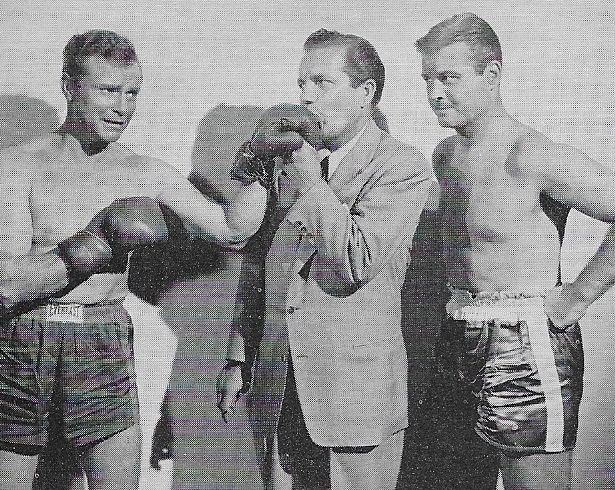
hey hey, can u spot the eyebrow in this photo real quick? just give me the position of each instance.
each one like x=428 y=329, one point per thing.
x=440 y=73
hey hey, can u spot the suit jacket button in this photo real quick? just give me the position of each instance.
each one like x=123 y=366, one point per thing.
x=290 y=310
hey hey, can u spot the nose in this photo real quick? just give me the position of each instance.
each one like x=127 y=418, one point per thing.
x=435 y=90
x=309 y=93
x=121 y=104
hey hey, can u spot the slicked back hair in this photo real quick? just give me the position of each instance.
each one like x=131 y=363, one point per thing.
x=468 y=28
x=362 y=60
x=107 y=44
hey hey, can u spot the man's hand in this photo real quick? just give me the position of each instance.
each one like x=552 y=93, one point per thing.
x=229 y=387
x=303 y=168
x=565 y=306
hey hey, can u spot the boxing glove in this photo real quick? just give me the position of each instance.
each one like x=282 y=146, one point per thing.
x=282 y=130
x=249 y=168
x=122 y=226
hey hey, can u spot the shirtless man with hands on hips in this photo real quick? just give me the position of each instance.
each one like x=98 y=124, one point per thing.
x=506 y=189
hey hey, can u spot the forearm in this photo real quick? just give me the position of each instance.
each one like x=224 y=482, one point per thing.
x=599 y=273
x=244 y=213
x=31 y=277
x=353 y=242
x=226 y=225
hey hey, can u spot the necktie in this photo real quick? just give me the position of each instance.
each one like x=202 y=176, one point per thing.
x=324 y=173
x=324 y=168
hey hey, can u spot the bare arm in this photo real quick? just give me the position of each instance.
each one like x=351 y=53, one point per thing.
x=231 y=224
x=571 y=177
x=567 y=304
x=23 y=276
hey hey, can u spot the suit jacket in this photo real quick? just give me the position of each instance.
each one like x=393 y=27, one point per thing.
x=335 y=263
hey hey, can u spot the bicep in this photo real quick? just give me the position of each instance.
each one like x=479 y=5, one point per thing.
x=195 y=210
x=198 y=213
x=574 y=179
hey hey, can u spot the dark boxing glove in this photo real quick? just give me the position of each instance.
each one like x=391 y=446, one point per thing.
x=249 y=168
x=281 y=130
x=119 y=228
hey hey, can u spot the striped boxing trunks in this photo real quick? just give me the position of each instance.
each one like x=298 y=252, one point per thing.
x=527 y=374
x=70 y=367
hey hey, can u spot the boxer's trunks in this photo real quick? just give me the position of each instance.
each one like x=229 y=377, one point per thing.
x=526 y=374
x=72 y=364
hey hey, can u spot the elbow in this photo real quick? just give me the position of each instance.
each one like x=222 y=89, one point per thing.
x=336 y=281
x=234 y=241
x=235 y=244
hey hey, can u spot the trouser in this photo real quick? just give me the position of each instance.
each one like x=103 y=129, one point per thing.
x=291 y=460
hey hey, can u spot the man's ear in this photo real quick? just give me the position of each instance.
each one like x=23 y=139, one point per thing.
x=68 y=86
x=368 y=88
x=493 y=73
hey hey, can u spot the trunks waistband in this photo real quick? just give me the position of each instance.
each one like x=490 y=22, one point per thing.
x=495 y=295
x=54 y=311
x=508 y=307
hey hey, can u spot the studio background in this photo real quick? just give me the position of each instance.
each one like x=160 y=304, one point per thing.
x=559 y=67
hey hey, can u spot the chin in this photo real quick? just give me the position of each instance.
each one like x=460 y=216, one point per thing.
x=109 y=137
x=445 y=124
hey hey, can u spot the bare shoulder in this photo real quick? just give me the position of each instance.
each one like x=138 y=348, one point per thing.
x=22 y=162
x=149 y=166
x=159 y=174
x=533 y=153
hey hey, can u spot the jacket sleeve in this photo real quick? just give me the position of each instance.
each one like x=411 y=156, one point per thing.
x=354 y=240
x=249 y=313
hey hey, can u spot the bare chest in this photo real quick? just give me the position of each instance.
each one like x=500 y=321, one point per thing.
x=486 y=199
x=65 y=198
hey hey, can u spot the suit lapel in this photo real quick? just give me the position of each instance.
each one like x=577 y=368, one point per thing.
x=357 y=158
x=351 y=165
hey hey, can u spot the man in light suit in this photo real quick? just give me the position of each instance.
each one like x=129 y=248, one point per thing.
x=328 y=403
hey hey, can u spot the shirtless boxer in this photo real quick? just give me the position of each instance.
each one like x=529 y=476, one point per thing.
x=71 y=358
x=506 y=190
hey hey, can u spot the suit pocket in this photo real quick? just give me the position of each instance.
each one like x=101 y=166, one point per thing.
x=378 y=348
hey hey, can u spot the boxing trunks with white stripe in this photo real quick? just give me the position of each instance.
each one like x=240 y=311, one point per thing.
x=527 y=374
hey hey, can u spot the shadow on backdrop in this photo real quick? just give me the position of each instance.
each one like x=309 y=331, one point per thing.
x=195 y=287
x=24 y=118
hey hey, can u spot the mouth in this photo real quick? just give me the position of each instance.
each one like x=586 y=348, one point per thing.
x=114 y=123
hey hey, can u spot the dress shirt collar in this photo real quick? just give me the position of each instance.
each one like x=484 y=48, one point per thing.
x=337 y=156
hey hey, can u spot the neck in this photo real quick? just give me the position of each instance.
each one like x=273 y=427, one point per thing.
x=346 y=136
x=76 y=129
x=475 y=129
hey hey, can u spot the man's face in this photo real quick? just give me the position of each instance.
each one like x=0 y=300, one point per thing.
x=457 y=94
x=104 y=98
x=326 y=91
